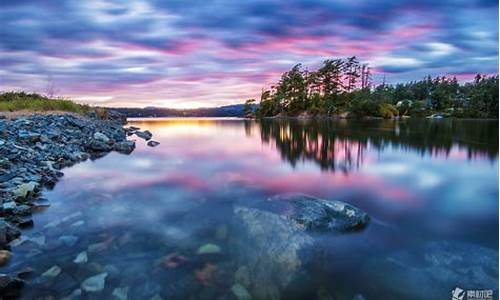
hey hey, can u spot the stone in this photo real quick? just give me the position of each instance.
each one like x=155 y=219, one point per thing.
x=54 y=271
x=4 y=257
x=438 y=266
x=9 y=206
x=124 y=147
x=121 y=293
x=10 y=287
x=242 y=276
x=316 y=214
x=25 y=189
x=208 y=249
x=240 y=292
x=101 y=137
x=8 y=233
x=69 y=240
x=273 y=247
x=153 y=143
x=95 y=283
x=22 y=210
x=144 y=134
x=81 y=258
x=221 y=232
x=74 y=295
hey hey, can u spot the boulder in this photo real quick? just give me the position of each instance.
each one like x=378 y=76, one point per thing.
x=274 y=239
x=316 y=214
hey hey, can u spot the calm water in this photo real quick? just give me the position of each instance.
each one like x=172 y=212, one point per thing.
x=430 y=188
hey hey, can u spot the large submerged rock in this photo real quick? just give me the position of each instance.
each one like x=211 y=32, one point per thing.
x=433 y=270
x=316 y=214
x=274 y=240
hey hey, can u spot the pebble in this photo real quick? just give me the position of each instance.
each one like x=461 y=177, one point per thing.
x=240 y=292
x=95 y=283
x=121 y=293
x=81 y=258
x=208 y=249
x=54 y=271
x=4 y=257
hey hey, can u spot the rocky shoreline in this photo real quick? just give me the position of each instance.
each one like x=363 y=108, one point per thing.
x=33 y=150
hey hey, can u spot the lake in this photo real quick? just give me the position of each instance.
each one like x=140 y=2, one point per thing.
x=172 y=222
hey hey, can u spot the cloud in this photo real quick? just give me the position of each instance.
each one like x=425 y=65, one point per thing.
x=153 y=52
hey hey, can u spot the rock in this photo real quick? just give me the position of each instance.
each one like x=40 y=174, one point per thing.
x=95 y=283
x=7 y=233
x=272 y=247
x=439 y=266
x=316 y=214
x=9 y=206
x=74 y=295
x=25 y=272
x=77 y=122
x=22 y=210
x=240 y=292
x=101 y=137
x=208 y=249
x=81 y=258
x=358 y=297
x=124 y=147
x=54 y=271
x=4 y=257
x=242 y=276
x=144 y=134
x=121 y=293
x=153 y=143
x=221 y=232
x=69 y=240
x=99 y=146
x=10 y=287
x=25 y=189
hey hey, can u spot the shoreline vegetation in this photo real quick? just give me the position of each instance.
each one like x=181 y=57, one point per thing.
x=342 y=88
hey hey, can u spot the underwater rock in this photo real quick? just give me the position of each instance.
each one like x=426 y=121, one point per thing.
x=208 y=249
x=95 y=283
x=437 y=266
x=81 y=258
x=274 y=239
x=121 y=293
x=10 y=287
x=317 y=214
x=54 y=271
x=4 y=257
x=240 y=292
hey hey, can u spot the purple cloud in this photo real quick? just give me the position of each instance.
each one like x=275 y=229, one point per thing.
x=201 y=53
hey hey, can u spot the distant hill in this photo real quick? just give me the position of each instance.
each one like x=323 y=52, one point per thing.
x=235 y=110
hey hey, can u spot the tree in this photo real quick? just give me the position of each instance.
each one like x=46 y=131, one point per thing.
x=248 y=108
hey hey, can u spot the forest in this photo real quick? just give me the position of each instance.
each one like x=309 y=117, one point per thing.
x=342 y=87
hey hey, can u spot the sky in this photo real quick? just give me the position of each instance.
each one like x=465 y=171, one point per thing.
x=186 y=54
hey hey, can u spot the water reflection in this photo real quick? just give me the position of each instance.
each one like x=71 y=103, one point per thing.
x=144 y=218
x=341 y=145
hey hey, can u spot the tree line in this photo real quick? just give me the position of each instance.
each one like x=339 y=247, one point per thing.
x=343 y=87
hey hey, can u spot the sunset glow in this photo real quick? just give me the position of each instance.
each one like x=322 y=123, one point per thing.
x=201 y=54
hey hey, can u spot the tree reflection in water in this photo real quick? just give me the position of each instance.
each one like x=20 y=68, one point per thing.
x=340 y=145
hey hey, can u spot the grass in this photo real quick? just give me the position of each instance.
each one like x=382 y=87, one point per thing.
x=22 y=101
